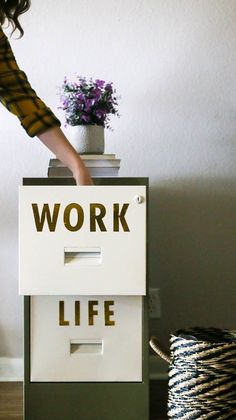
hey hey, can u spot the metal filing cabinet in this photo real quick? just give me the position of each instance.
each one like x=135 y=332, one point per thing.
x=83 y=274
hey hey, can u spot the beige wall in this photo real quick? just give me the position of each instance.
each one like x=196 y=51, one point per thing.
x=174 y=63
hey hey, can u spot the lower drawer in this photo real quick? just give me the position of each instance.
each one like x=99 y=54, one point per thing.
x=86 y=338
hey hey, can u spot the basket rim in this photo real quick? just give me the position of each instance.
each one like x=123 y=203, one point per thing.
x=191 y=339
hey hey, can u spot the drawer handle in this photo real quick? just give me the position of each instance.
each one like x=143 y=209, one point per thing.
x=79 y=346
x=84 y=256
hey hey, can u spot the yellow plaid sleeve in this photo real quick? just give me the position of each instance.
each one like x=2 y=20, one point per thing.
x=17 y=95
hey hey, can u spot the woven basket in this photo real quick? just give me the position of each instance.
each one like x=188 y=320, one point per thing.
x=202 y=373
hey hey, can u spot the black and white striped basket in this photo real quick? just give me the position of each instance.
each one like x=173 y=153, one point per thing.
x=202 y=373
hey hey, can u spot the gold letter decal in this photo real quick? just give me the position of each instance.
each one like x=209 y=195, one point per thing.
x=120 y=217
x=108 y=312
x=51 y=219
x=97 y=218
x=92 y=312
x=80 y=219
x=77 y=312
x=62 y=313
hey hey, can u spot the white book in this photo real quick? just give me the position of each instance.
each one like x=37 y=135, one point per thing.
x=102 y=164
x=65 y=172
x=103 y=156
x=95 y=158
x=92 y=164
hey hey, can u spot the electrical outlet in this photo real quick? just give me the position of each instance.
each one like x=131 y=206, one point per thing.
x=154 y=303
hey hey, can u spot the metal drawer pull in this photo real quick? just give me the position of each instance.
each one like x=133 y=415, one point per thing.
x=86 y=346
x=85 y=256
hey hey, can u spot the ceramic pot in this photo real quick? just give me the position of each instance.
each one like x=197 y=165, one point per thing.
x=87 y=139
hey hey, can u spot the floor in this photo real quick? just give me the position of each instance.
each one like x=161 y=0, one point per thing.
x=11 y=397
x=11 y=401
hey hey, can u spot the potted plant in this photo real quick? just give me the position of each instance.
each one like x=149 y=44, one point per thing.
x=88 y=105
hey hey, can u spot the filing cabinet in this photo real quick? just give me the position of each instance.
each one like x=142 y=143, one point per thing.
x=83 y=272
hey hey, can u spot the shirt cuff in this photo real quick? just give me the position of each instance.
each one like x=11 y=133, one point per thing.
x=39 y=121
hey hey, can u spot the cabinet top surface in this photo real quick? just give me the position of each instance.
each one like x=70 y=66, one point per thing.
x=96 y=180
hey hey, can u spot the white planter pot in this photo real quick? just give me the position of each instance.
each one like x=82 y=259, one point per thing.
x=87 y=138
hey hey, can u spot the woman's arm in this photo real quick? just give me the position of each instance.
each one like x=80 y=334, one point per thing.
x=17 y=95
x=56 y=141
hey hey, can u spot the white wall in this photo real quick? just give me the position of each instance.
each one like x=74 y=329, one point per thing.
x=174 y=63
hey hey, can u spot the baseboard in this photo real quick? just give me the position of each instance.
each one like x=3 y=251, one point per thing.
x=11 y=369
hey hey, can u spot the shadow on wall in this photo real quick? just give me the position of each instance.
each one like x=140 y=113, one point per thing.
x=193 y=253
x=11 y=340
x=3 y=341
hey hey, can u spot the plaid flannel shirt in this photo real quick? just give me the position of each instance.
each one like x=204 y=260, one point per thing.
x=17 y=95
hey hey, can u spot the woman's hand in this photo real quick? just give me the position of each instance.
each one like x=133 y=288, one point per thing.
x=82 y=177
x=56 y=141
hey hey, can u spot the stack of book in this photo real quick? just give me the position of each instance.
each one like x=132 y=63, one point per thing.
x=104 y=165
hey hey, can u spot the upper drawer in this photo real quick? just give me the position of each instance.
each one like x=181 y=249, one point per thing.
x=82 y=240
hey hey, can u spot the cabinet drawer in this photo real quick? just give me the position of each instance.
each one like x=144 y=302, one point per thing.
x=86 y=338
x=82 y=240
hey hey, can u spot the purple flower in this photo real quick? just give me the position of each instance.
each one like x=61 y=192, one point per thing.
x=85 y=118
x=65 y=103
x=80 y=95
x=99 y=83
x=88 y=102
x=100 y=113
x=108 y=87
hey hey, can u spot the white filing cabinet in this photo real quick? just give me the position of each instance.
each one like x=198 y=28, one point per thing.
x=83 y=269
